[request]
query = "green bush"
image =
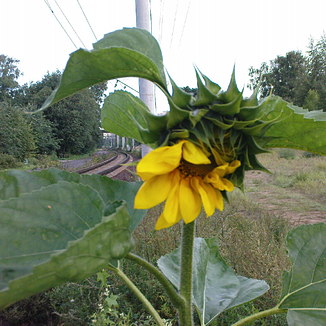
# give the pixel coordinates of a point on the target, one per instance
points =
(16, 137)
(7, 161)
(286, 153)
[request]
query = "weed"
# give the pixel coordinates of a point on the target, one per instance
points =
(286, 153)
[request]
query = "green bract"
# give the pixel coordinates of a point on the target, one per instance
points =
(224, 122)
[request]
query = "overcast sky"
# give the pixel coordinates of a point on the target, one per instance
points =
(211, 34)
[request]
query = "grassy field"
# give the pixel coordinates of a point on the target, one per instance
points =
(251, 232)
(296, 188)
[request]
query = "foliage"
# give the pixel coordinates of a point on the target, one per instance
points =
(80, 223)
(16, 135)
(70, 127)
(216, 287)
(43, 132)
(295, 77)
(9, 74)
(75, 123)
(7, 161)
(285, 76)
(104, 232)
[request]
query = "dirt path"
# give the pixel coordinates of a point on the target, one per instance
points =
(288, 202)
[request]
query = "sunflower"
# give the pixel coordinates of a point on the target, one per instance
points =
(184, 177)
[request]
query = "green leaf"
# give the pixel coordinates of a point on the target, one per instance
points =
(135, 39)
(124, 53)
(15, 183)
(216, 287)
(126, 115)
(57, 234)
(306, 318)
(297, 128)
(304, 286)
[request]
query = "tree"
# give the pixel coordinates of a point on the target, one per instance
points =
(43, 133)
(75, 121)
(9, 74)
(312, 100)
(317, 69)
(98, 91)
(285, 76)
(297, 78)
(16, 136)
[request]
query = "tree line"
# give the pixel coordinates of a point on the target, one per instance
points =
(296, 77)
(71, 126)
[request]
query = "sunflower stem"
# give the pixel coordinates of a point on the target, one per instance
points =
(187, 248)
(261, 314)
(169, 288)
(138, 294)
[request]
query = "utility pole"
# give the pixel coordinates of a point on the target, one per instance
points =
(146, 88)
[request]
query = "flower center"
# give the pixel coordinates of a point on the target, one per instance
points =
(195, 170)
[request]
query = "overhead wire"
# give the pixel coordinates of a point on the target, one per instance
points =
(150, 15)
(52, 11)
(50, 8)
(174, 21)
(81, 8)
(161, 19)
(185, 21)
(70, 24)
(119, 81)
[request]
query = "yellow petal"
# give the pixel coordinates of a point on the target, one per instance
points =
(193, 154)
(171, 209)
(228, 185)
(221, 170)
(218, 182)
(233, 166)
(190, 202)
(153, 191)
(162, 223)
(205, 192)
(219, 202)
(160, 161)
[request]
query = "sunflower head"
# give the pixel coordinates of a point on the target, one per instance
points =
(203, 152)
(187, 178)
(223, 124)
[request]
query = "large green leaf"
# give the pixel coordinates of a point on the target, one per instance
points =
(135, 39)
(298, 128)
(123, 53)
(14, 183)
(216, 287)
(304, 286)
(306, 318)
(126, 115)
(57, 226)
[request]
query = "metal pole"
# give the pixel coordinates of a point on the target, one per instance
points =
(146, 88)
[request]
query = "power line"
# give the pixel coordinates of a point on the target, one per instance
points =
(184, 24)
(161, 19)
(174, 21)
(86, 19)
(50, 8)
(47, 3)
(70, 24)
(119, 81)
(150, 15)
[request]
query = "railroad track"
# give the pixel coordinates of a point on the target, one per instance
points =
(110, 167)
